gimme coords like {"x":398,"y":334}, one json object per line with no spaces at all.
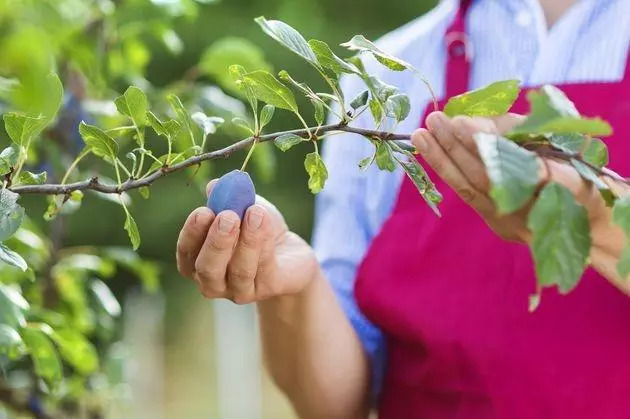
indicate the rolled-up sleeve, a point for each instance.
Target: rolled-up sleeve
{"x":341,"y":236}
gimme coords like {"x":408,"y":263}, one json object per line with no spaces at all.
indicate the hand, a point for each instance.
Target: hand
{"x":247,"y":261}
{"x":449,"y":148}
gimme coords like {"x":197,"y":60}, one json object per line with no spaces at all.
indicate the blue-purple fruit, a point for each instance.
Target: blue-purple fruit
{"x":233,"y":191}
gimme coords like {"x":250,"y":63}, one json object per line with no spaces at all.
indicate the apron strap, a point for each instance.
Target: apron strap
{"x":458,"y":53}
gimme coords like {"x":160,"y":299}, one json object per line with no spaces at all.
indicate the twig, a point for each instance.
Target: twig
{"x":95,"y":185}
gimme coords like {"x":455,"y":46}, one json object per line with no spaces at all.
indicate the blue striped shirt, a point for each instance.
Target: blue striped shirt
{"x":510,"y":41}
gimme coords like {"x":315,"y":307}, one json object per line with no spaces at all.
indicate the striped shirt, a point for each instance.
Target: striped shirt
{"x":510,"y":40}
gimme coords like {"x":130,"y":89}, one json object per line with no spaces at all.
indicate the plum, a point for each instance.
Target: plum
{"x":233,"y":191}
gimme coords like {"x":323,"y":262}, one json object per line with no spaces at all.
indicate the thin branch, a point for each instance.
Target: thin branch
{"x":95,"y":185}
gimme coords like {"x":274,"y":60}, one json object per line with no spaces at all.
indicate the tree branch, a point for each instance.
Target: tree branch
{"x":95,"y":185}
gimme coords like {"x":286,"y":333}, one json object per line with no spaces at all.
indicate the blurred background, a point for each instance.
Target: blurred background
{"x":193,"y":358}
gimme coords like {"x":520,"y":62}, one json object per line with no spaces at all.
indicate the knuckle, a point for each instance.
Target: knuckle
{"x":438,"y":166}
{"x":250,"y":240}
{"x":207,"y":273}
{"x":467,"y":194}
{"x":239,"y":274}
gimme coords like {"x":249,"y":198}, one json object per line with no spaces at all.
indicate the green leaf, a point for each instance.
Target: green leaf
{"x":182,"y":115}
{"x":28,"y":178}
{"x":384,"y":157}
{"x":420,"y":179}
{"x":266,"y":114}
{"x":376,"y":110}
{"x":512,"y":170}
{"x":289,"y":37}
{"x":329,"y":60}
{"x":493,"y":100}
{"x":77,"y":350}
{"x":168,"y":129}
{"x":398,"y":107}
{"x":145,"y":192}
{"x":361,"y":100}
{"x":317,"y":172}
{"x":367,"y":162}
{"x":621,"y":217}
{"x":54,"y":97}
{"x":12,"y":258}
{"x":267,"y":88}
{"x":238,"y":73}
{"x":134,"y":104}
{"x":132,"y":230}
{"x":361,"y":44}
{"x":596,"y":152}
{"x":11,"y":343}
{"x":45,"y":359}
{"x":553,"y":113}
{"x":208,"y":124}
{"x":561,"y":239}
{"x":98,"y":141}
{"x":105,"y":298}
{"x":11,"y":214}
{"x":381,"y":90}
{"x":286,"y":141}
{"x":23,"y":128}
{"x":12,"y":307}
{"x":8,"y":159}
{"x":320,"y":114}
{"x":590,"y":175}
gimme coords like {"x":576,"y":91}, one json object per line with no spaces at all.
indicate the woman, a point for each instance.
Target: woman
{"x":430,"y":315}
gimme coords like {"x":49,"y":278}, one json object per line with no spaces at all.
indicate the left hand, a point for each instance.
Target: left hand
{"x":449,"y":148}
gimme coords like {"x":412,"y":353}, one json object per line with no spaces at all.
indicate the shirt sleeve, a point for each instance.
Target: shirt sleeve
{"x":341,"y":236}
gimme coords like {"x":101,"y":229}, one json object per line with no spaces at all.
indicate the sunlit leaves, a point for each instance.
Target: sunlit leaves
{"x":621,"y":217}
{"x":132,"y":229}
{"x":397,"y":107}
{"x":168,"y":129}
{"x":286,"y":141}
{"x":11,"y":343}
{"x":76,"y":350}
{"x":320,"y":114}
{"x":23,"y":128}
{"x":12,"y":258}
{"x":267,"y":88}
{"x":28,"y":178}
{"x":46,"y":362}
{"x":8,"y":159}
{"x":105,"y":298}
{"x":360,"y":100}
{"x":553,"y":112}
{"x":289,"y":37}
{"x":561,"y":240}
{"x":12,"y":307}
{"x":98,"y":141}
{"x":183,"y":116}
{"x":513,"y":171}
{"x":594,"y":151}
{"x":492,"y":100}
{"x":134,"y":104}
{"x":11,"y":214}
{"x":317,"y":172}
{"x":361,"y":44}
{"x":266,"y":114}
{"x":384,"y":157}
{"x":329,"y":60}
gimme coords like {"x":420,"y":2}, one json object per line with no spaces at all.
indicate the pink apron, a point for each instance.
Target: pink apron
{"x":451,"y":298}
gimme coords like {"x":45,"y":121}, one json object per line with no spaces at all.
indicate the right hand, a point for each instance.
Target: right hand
{"x":244,"y":261}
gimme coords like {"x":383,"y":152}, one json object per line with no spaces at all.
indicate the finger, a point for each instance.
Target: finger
{"x":210,"y":185}
{"x":191,"y":238}
{"x":243,"y":266}
{"x":212,"y":262}
{"x":449,"y":134}
{"x":441,"y":163}
{"x":507,"y":122}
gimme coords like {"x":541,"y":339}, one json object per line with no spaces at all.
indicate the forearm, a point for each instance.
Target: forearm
{"x":608,"y":244}
{"x":314,"y":355}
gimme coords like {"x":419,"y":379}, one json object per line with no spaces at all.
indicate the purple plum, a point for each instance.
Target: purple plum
{"x":233,"y":191}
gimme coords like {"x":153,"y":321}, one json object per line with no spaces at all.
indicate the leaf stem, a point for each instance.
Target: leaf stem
{"x":249,"y":155}
{"x":74,"y":164}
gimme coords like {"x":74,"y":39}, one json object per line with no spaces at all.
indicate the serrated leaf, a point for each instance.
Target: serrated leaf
{"x":384,"y":158}
{"x":420,"y":179}
{"x":145,"y":192}
{"x":132,"y":230}
{"x":621,"y":217}
{"x":8,"y":159}
{"x":361,"y":44}
{"x":98,"y":141}
{"x":561,"y":238}
{"x":12,"y":307}
{"x":11,"y":343}
{"x":46,"y":362}
{"x":376,"y":110}
{"x":267,"y":88}
{"x":360,"y":100}
{"x":320,"y":114}
{"x":11,"y":214}
{"x":208,"y":124}
{"x":398,"y":107}
{"x":596,"y":152}
{"x":553,"y":113}
{"x":493,"y":100}
{"x":76,"y":350}
{"x":329,"y":60}
{"x":289,"y":37}
{"x":317,"y":172}
{"x":23,"y":128}
{"x":512,"y":170}
{"x":286,"y":141}
{"x":134,"y":104}
{"x":266,"y":115}
{"x":28,"y":178}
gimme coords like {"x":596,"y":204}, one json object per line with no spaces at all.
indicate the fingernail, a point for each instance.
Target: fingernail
{"x":226,"y":223}
{"x":255,"y":218}
{"x":434,"y":121}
